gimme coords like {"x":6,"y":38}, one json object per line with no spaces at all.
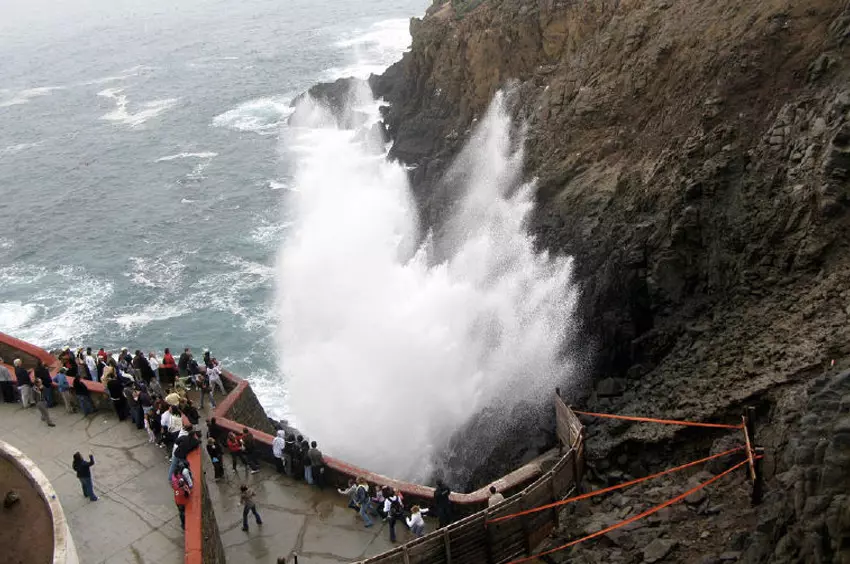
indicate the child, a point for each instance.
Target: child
{"x":248,"y":505}
{"x":415,"y":522}
{"x":151,"y":434}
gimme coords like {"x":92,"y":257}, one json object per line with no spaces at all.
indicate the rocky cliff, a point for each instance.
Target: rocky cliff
{"x":694,"y":157}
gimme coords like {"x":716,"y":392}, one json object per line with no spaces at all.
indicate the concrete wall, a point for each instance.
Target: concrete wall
{"x":213,"y":549}
{"x":64,"y":551}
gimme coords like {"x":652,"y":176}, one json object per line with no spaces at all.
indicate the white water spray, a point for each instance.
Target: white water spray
{"x":387,"y":354}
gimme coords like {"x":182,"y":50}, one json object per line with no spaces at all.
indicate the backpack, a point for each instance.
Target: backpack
{"x":396,"y":508}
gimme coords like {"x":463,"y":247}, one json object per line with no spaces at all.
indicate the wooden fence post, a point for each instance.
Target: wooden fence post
{"x":448,"y":545}
{"x":406,"y":555}
{"x":555,"y":498}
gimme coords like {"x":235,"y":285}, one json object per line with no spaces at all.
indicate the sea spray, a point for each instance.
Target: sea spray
{"x":389,"y":352}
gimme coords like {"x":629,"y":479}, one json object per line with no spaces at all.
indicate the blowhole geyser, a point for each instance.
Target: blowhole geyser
{"x":387,"y":352}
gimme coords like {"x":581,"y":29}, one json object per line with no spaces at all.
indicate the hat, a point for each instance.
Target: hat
{"x":124,"y":349}
{"x":62,"y":370}
{"x":66,"y":349}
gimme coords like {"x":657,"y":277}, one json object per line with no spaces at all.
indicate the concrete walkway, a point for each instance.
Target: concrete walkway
{"x":135,"y":520}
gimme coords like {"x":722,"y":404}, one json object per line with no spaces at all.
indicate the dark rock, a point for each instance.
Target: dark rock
{"x":657,"y":550}
{"x":11,"y":498}
{"x":611,"y":387}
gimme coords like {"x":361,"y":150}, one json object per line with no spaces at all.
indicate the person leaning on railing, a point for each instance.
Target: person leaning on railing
{"x":7,"y":389}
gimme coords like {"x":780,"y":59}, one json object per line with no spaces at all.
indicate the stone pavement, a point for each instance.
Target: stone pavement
{"x":135,"y":520}
{"x":317,"y":525}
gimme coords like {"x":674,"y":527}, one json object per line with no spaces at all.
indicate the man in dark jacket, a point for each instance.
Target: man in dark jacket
{"x":83,"y":396}
{"x":183,"y":363}
{"x":22,"y":375}
{"x":317,"y":464}
{"x":443,"y":504}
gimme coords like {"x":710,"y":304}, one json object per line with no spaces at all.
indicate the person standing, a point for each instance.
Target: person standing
{"x":41,"y":403}
{"x":495,"y":497}
{"x":42,"y":373}
{"x":214,"y":375}
{"x":91,"y":364}
{"x":289,"y":455}
{"x":205,"y":389}
{"x":361,"y":498}
{"x":246,"y":496}
{"x":83,"y":470}
{"x":207,"y":359}
{"x":317,"y":464}
{"x":217,"y":457}
{"x":181,"y":483}
{"x":443,"y":504}
{"x":153,"y":362}
{"x":83,"y":396}
{"x":278,"y":446}
{"x":70,"y":361}
{"x":234,"y":445}
{"x":116,"y":394}
{"x":7,"y":389}
{"x":249,"y":447}
{"x":394,"y":508}
{"x":167,"y":369}
{"x":183,"y":363}
{"x":305,"y":460}
{"x":64,"y":390}
{"x":22,"y":375}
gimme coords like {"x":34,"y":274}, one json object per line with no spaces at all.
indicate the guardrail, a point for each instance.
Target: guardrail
{"x":476,"y":539}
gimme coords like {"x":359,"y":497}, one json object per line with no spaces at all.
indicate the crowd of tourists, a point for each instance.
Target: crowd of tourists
{"x":150,"y":391}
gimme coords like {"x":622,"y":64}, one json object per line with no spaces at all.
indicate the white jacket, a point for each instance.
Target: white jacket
{"x":416,"y":519}
{"x":278,"y":444}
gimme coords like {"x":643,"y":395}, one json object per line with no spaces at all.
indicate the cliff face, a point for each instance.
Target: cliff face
{"x":694,"y":157}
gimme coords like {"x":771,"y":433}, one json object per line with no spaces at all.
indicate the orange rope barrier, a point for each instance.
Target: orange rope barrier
{"x":613,"y":488}
{"x":634,"y":518}
{"x":662,"y":421}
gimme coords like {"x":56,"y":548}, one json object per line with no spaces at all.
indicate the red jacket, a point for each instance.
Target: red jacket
{"x":181,"y":492}
{"x":168,"y":362}
{"x":234,"y":444}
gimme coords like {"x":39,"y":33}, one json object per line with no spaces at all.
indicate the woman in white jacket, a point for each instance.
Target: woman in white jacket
{"x":415,"y":522}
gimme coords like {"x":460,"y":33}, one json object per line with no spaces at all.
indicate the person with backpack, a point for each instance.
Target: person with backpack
{"x":246,"y":496}
{"x":361,"y":498}
{"x":181,"y":483}
{"x":394,"y":508}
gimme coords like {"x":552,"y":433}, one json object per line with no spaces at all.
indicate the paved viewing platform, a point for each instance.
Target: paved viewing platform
{"x":135,"y":519}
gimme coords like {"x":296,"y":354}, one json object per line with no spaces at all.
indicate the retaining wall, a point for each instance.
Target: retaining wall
{"x":64,"y":550}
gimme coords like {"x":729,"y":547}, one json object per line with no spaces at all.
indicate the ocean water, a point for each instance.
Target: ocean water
{"x":145,"y":165}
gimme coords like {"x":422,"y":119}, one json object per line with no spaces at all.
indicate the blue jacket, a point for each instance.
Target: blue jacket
{"x":62,"y":381}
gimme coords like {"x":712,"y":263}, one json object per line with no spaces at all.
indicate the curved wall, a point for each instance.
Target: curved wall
{"x":64,"y":551}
